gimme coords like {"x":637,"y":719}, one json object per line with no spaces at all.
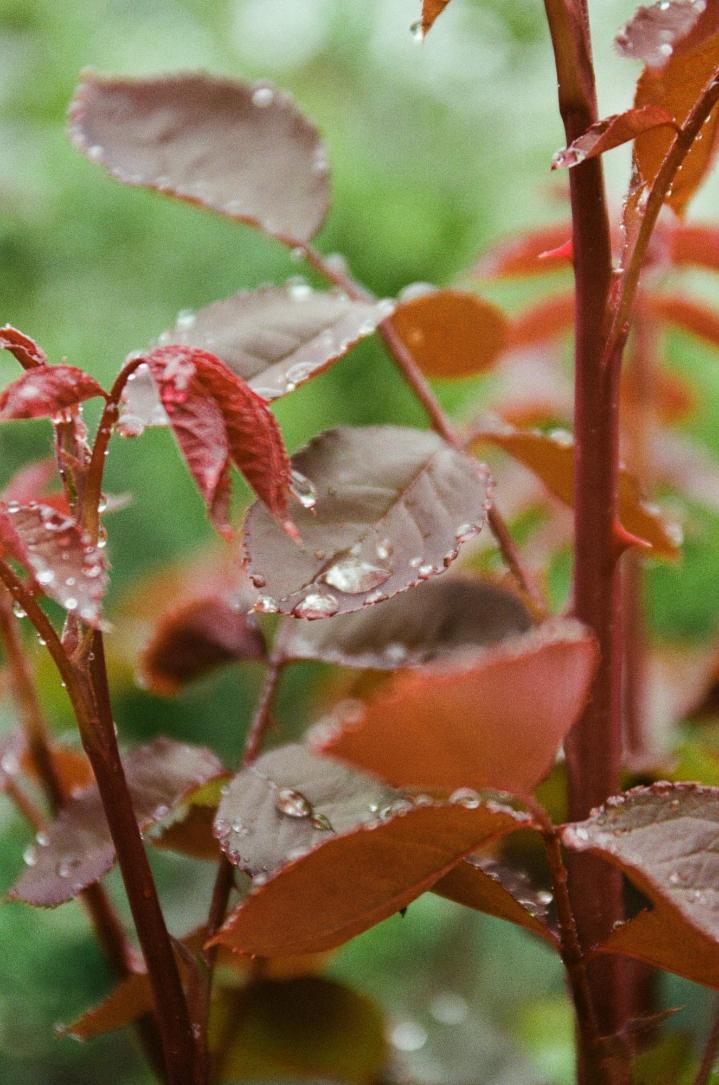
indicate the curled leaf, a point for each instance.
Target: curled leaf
{"x":25,"y":349}
{"x":612,"y":132}
{"x":46,"y":391}
{"x":451,"y":333}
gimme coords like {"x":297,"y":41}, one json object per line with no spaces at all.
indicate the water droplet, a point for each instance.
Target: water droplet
{"x":303,"y":490}
{"x":568,"y":157}
{"x":185,"y":318}
{"x":384,"y":549}
{"x":415,"y":562}
{"x":352,"y":575}
{"x":65,"y":866}
{"x":258,"y":580}
{"x":408,"y":1036}
{"x":418,"y":34}
{"x":424,"y":572}
{"x":321,"y":821}
{"x":265,"y":604}
{"x":42,"y":839}
{"x":292,"y":803}
{"x":448,"y":1008}
{"x":10,"y":763}
{"x":466,"y":796}
{"x":395,"y":652}
{"x":130,"y":425}
{"x":70,"y":603}
{"x":263,"y":97}
{"x":29,"y":856}
{"x":316,"y":605}
{"x":18,"y":611}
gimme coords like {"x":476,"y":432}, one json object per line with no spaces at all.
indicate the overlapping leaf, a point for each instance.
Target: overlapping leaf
{"x":665,"y":839}
{"x":385,"y":507}
{"x":694,"y":244}
{"x":356,"y":879}
{"x":541,"y":322}
{"x":77,"y":849}
{"x":217,"y":419}
{"x":686,"y":314}
{"x":452,"y":614}
{"x":242,"y":149}
{"x":25,"y":349}
{"x":612,"y":132}
{"x":534,"y":252}
{"x":451,"y":333}
{"x":45,"y":391}
{"x":494,"y":722}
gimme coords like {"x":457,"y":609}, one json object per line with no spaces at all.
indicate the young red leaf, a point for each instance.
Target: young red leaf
{"x":287,"y":802}
{"x":354,"y":880}
{"x":534,"y":252}
{"x":45,"y":391}
{"x":53,"y":550}
{"x":551,"y":457}
{"x":77,"y":849}
{"x":431,"y":9}
{"x":612,"y":132}
{"x":242,"y":149}
{"x":489,"y":887}
{"x":495,"y":721}
{"x":25,"y":349}
{"x":541,"y":322}
{"x":196,"y":638}
{"x":694,"y":244}
{"x":451,"y":333}
{"x":384,"y":507}
{"x":449,"y":615}
{"x":686,"y":314}
{"x":218,"y":419}
{"x":664,"y":838}
{"x":311,"y":1027}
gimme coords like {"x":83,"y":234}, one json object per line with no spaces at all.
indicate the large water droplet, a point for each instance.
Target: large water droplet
{"x":351,"y":575}
{"x":465,"y":796}
{"x":263,"y":97}
{"x":293,"y":803}
{"x":316,"y":605}
{"x":303,"y":490}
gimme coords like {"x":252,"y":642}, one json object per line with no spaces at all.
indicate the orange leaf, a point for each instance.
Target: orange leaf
{"x":686,"y":314}
{"x":431,"y":9}
{"x":542,"y":322}
{"x":695,"y":244}
{"x":611,"y":132}
{"x":532,"y":253}
{"x":451,"y":333}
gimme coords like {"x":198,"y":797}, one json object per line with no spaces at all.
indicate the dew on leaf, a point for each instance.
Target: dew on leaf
{"x":465,"y":796}
{"x":292,"y":803}
{"x":316,"y":605}
{"x":303,"y":490}
{"x":351,"y":575}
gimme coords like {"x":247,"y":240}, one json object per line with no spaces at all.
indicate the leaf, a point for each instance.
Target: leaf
{"x":551,"y":457}
{"x":541,"y":322}
{"x":534,"y":252}
{"x":30,"y":481}
{"x":664,"y":838}
{"x":218,"y":419}
{"x":196,"y":638}
{"x":431,"y":9}
{"x":449,"y":615}
{"x":494,"y":721}
{"x":25,"y":349}
{"x":676,"y":86}
{"x":56,"y":553}
{"x":451,"y":333}
{"x":694,"y":244}
{"x":287,"y":802}
{"x":45,"y":391}
{"x":242,"y":149}
{"x":79,"y":849}
{"x":354,"y":880}
{"x":653,"y":32}
{"x":611,"y":132}
{"x":489,"y":887}
{"x":686,"y":314}
{"x":384,"y":507}
{"x":309,"y":1027}
{"x":191,"y":835}
{"x":72,"y":767}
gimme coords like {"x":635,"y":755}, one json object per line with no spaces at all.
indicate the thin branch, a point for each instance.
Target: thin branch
{"x":23,"y":803}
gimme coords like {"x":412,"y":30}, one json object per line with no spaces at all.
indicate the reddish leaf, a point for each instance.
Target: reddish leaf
{"x":354,"y":880}
{"x":310,"y":1028}
{"x":551,"y":457}
{"x":72,"y":767}
{"x":51,"y":547}
{"x":216,"y":419}
{"x":30,"y":482}
{"x":489,"y":887}
{"x":451,"y":333}
{"x":78,"y":849}
{"x":688,"y":315}
{"x":694,"y":245}
{"x":191,"y":835}
{"x":541,"y":322}
{"x":385,"y":507}
{"x":492,"y":722}
{"x":45,"y":391}
{"x":664,"y":838}
{"x":453,"y":614}
{"x":653,"y":32}
{"x":25,"y":349}
{"x":287,"y":802}
{"x":534,"y":252}
{"x":612,"y":132}
{"x":241,"y":149}
{"x":196,"y":638}
{"x":431,"y":9}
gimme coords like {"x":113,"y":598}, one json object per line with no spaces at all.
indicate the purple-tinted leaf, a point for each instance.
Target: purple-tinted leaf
{"x":79,"y":850}
{"x":242,"y":149}
{"x":287,"y":803}
{"x":63,"y":563}
{"x":665,"y":838}
{"x":654,"y":31}
{"x":611,"y":132}
{"x":384,"y":507}
{"x":25,"y":349}
{"x":45,"y":391}
{"x":450,"y":615}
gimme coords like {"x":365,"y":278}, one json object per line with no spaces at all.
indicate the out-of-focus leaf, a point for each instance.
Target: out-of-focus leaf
{"x":541,"y":322}
{"x":218,"y":419}
{"x":534,"y":252}
{"x":25,"y":349}
{"x":612,"y":132}
{"x":354,"y":880}
{"x":664,"y":838}
{"x":45,"y":391}
{"x":451,"y":615}
{"x":30,"y":481}
{"x":664,"y":1061}
{"x":192,"y":835}
{"x":655,"y":30}
{"x":51,"y":547}
{"x":195,"y":639}
{"x":451,"y":333}
{"x":431,"y":9}
{"x":489,"y":887}
{"x":72,"y":767}
{"x":686,"y":314}
{"x":310,"y":1027}
{"x":384,"y":507}
{"x":551,"y":457}
{"x":694,"y":244}
{"x":79,"y":850}
{"x":242,"y":149}
{"x":494,"y":722}
{"x":287,"y":802}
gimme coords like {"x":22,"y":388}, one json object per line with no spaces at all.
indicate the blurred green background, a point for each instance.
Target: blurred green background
{"x":436,"y":150}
